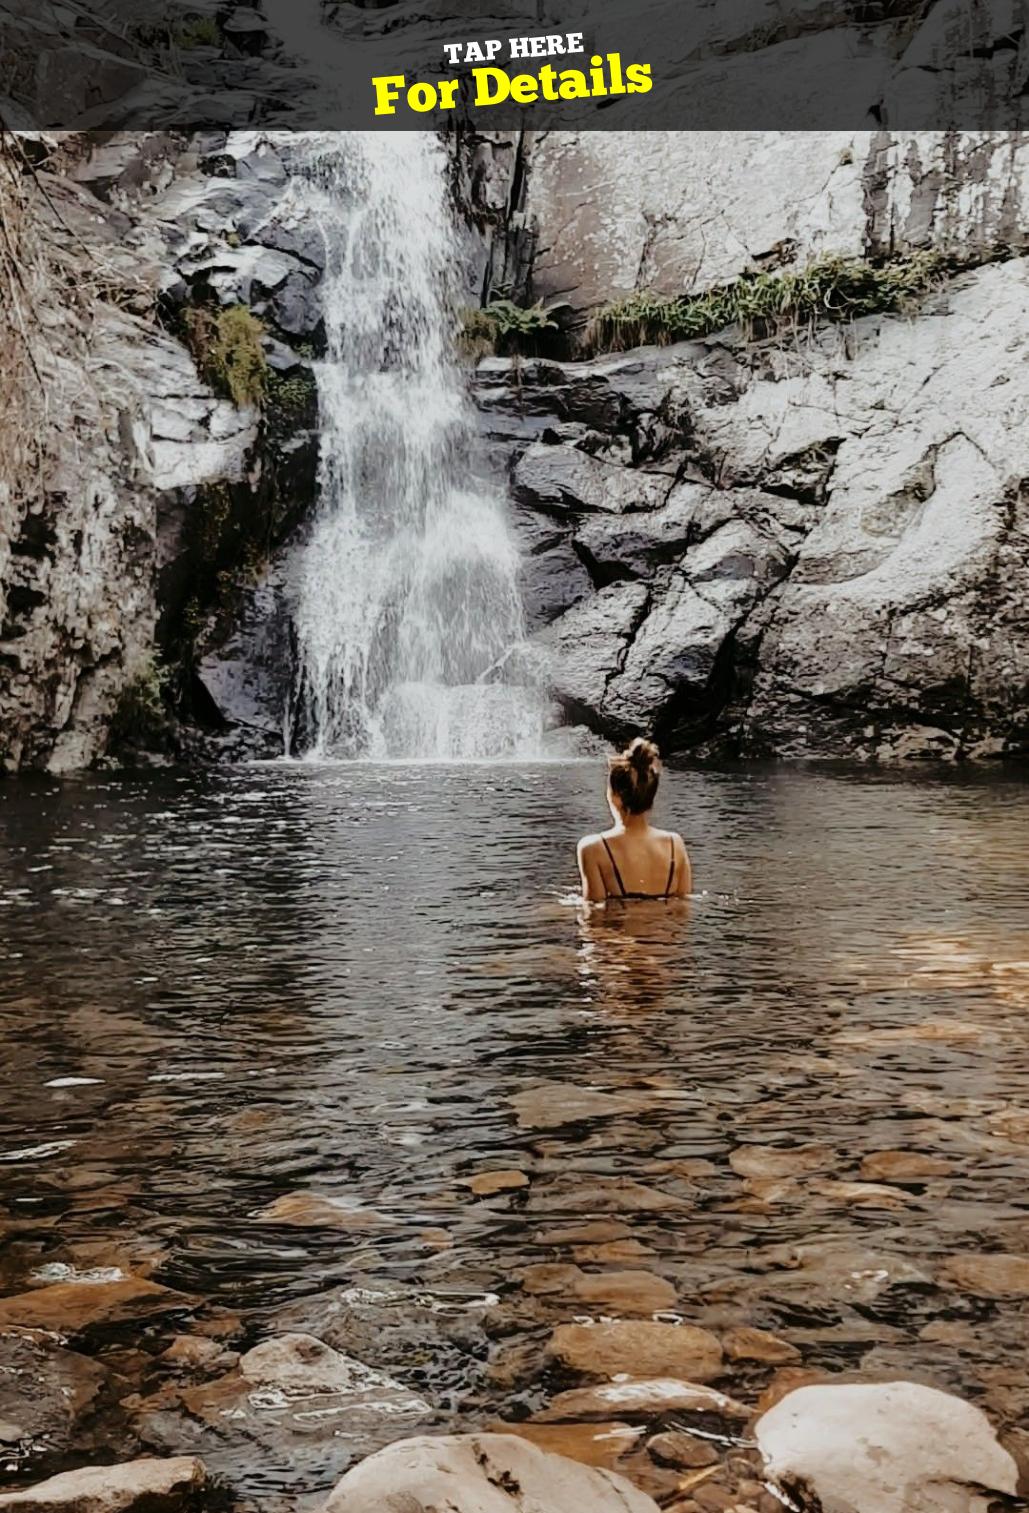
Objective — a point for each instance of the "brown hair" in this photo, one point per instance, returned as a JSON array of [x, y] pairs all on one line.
[[633, 775]]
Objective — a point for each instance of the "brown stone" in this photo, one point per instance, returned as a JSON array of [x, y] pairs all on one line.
[[614, 1250], [555, 1103], [784, 1382], [776, 1161], [864, 1194], [589, 1444], [988, 1275], [436, 1239], [902, 1166], [549, 1276], [487, 1184], [595, 1195], [642, 1399], [594, 1230], [70, 1307], [315, 1211], [677, 1448], [626, 1291], [745, 1344], [193, 1352], [640, 1349], [713, 1497]]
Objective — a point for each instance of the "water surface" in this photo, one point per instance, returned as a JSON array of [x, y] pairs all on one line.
[[371, 984]]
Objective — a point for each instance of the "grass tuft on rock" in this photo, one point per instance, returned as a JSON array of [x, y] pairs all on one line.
[[227, 346], [764, 304], [504, 328]]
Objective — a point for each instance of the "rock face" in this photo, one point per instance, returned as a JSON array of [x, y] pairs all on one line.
[[692, 209], [891, 1448], [481, 1473], [141, 495], [797, 548]]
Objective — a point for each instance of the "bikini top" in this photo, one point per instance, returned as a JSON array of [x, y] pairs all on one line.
[[618, 875]]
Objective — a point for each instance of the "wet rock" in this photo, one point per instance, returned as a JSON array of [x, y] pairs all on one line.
[[487, 1184], [591, 1194], [990, 1275], [642, 1349], [772, 1161], [46, 1393], [72, 1307], [641, 1398], [481, 1473], [625, 1291], [903, 1166], [291, 1398], [196, 1353], [745, 1344], [895, 1447], [593, 1230], [139, 1486], [320, 1211], [439, 1336], [562, 477], [788, 1380], [677, 1448], [601, 1444], [554, 1103]]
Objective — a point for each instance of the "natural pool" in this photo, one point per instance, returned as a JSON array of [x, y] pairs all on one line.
[[263, 1029]]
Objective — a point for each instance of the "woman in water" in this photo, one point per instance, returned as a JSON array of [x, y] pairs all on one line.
[[632, 859]]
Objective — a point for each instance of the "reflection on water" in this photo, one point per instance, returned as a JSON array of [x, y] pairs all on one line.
[[262, 1030]]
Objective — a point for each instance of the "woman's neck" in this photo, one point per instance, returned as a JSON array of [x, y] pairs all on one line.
[[634, 824]]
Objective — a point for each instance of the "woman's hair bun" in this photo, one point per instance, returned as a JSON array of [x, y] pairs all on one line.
[[634, 773], [642, 754]]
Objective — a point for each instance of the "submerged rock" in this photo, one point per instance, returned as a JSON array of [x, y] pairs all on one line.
[[640, 1349], [71, 1307], [896, 1447], [139, 1486], [481, 1473], [642, 1398], [46, 1393], [291, 1399]]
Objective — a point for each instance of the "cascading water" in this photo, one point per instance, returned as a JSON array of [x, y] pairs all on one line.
[[408, 605]]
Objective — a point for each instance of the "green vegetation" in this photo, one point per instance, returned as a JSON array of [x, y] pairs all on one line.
[[832, 288], [291, 400], [504, 328], [141, 716], [228, 351], [201, 32]]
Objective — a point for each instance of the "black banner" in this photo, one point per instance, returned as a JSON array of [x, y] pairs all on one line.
[[776, 65]]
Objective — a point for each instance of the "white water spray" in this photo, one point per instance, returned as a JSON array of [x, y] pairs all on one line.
[[408, 602]]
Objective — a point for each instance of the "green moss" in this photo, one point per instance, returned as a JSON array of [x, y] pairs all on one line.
[[141, 716], [291, 401], [832, 288], [227, 345]]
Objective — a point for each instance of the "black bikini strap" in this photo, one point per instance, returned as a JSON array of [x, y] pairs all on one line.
[[618, 875], [671, 865]]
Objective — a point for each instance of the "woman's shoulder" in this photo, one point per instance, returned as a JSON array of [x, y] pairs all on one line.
[[591, 842], [670, 835]]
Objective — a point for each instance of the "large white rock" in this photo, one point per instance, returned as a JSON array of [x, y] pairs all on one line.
[[892, 1447], [138, 1486], [481, 1473]]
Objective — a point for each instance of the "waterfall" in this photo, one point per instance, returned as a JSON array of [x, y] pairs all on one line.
[[408, 604]]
